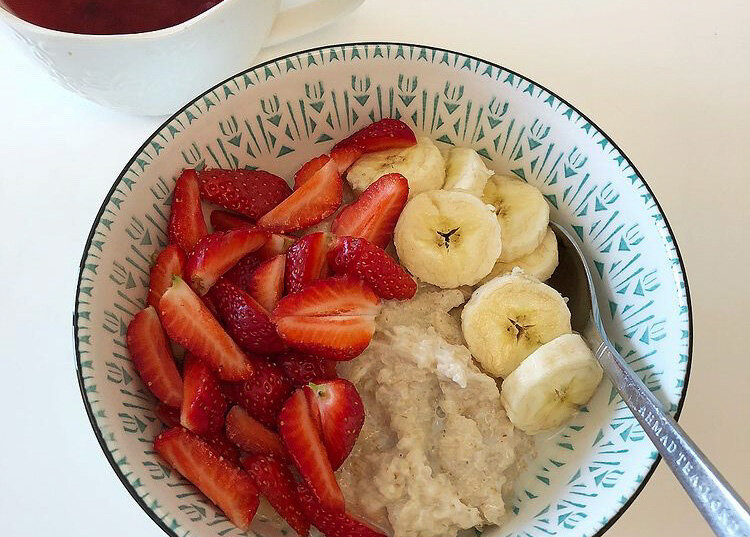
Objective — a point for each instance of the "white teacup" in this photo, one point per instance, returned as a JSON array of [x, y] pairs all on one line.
[[154, 73]]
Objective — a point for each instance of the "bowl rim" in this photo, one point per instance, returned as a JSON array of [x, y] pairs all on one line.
[[79, 373]]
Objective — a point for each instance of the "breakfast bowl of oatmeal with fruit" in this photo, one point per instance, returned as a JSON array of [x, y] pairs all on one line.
[[318, 300]]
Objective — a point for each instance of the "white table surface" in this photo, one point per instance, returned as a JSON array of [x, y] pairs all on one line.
[[669, 84]]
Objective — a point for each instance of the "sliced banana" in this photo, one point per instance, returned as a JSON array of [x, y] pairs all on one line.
[[421, 164], [510, 317], [523, 214], [551, 384], [447, 238], [465, 170], [540, 263]]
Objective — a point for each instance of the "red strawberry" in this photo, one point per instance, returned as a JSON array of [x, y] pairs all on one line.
[[332, 318], [168, 415], [275, 245], [186, 222], [267, 282], [361, 259], [249, 192], [246, 320], [309, 169], [264, 394], [190, 323], [299, 431], [332, 523], [221, 445], [339, 408], [216, 253], [203, 404], [374, 215], [250, 435], [152, 357], [384, 134], [241, 274], [225, 221], [306, 261], [276, 483], [302, 369], [170, 262], [317, 198], [224, 483]]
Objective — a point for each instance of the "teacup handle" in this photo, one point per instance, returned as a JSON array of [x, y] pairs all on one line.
[[301, 18]]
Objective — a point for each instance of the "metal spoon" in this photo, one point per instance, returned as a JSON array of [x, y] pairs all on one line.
[[726, 513]]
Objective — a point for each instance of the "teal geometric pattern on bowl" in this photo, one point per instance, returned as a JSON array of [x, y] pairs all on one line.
[[282, 113]]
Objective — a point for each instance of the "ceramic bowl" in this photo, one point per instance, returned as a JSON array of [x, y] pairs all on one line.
[[280, 114]]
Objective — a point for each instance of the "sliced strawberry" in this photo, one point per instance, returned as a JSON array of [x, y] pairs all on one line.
[[246, 320], [251, 193], [189, 323], [330, 522], [153, 358], [203, 403], [224, 483], [275, 245], [306, 261], [276, 483], [221, 445], [302, 369], [186, 222], [267, 282], [341, 413], [168, 415], [264, 394], [374, 215], [384, 134], [299, 432], [358, 258], [170, 262], [216, 253], [250, 435], [241, 274], [309, 169], [317, 198], [332, 318], [226, 221]]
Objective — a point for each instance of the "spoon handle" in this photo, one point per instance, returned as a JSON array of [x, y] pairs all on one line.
[[726, 513]]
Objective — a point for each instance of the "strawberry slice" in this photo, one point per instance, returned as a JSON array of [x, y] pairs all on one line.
[[186, 222], [168, 415], [267, 282], [276, 483], [299, 431], [188, 322], [170, 262], [251, 193], [221, 445], [216, 253], [224, 483], [338, 407], [226, 221], [153, 358], [352, 256], [332, 318], [384, 134], [245, 319], [374, 215], [275, 245], [332, 523], [241, 274], [250, 435], [302, 369], [309, 169], [306, 261], [203, 403], [317, 198], [264, 394]]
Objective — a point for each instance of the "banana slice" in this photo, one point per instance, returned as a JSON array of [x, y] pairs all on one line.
[[510, 317], [551, 384], [421, 164], [465, 170], [447, 238], [523, 214], [540, 263]]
